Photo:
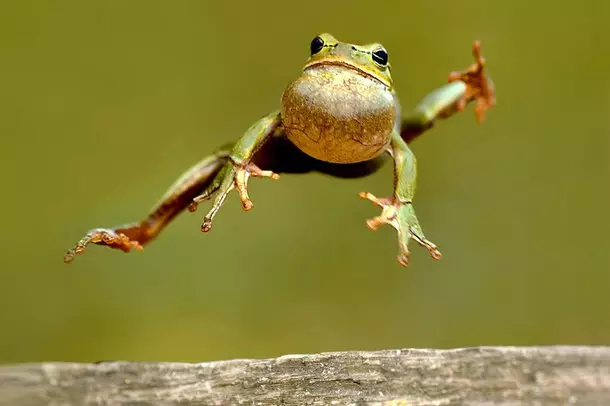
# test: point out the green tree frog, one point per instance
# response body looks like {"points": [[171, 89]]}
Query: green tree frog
{"points": [[341, 117]]}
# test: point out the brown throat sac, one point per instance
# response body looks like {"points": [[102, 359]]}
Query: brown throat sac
{"points": [[336, 114]]}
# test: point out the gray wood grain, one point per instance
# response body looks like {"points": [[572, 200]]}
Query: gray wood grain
{"points": [[468, 376]]}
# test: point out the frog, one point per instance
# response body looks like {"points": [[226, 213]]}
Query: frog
{"points": [[340, 117]]}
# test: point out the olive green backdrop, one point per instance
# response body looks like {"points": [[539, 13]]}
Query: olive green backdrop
{"points": [[104, 103]]}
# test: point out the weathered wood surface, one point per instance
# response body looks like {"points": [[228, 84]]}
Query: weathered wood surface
{"points": [[469, 376]]}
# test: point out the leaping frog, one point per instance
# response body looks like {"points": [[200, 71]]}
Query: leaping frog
{"points": [[341, 117]]}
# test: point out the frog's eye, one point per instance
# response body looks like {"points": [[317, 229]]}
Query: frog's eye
{"points": [[316, 45], [380, 56]]}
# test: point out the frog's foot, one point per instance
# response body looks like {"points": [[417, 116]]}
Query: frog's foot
{"points": [[401, 216], [479, 86], [103, 236], [233, 176]]}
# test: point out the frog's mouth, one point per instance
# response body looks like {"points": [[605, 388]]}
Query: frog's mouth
{"points": [[347, 65]]}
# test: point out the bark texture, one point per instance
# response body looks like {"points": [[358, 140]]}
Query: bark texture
{"points": [[467, 376]]}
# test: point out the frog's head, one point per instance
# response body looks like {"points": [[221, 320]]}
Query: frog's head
{"points": [[370, 60]]}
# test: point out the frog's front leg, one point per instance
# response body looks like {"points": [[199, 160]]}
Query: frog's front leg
{"points": [[398, 210], [471, 85], [239, 167]]}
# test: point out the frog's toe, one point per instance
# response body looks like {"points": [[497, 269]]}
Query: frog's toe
{"points": [[403, 258], [206, 225], [235, 176], [381, 202], [103, 236], [403, 255], [241, 181], [479, 86], [388, 215], [427, 244]]}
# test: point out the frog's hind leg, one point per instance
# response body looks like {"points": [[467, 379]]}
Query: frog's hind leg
{"points": [[179, 196], [204, 180]]}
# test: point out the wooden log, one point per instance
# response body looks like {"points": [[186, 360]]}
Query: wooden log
{"points": [[559, 375]]}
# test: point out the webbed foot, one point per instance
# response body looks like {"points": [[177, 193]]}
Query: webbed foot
{"points": [[232, 176], [479, 86], [103, 236], [401, 216]]}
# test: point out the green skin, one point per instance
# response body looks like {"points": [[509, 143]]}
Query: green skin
{"points": [[341, 116]]}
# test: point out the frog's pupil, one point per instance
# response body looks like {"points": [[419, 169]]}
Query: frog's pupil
{"points": [[381, 57], [316, 45]]}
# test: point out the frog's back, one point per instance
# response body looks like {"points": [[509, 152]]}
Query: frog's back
{"points": [[338, 115]]}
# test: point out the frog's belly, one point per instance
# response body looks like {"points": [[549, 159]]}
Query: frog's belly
{"points": [[339, 118]]}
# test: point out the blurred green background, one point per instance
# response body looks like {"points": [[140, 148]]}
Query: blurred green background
{"points": [[105, 103]]}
